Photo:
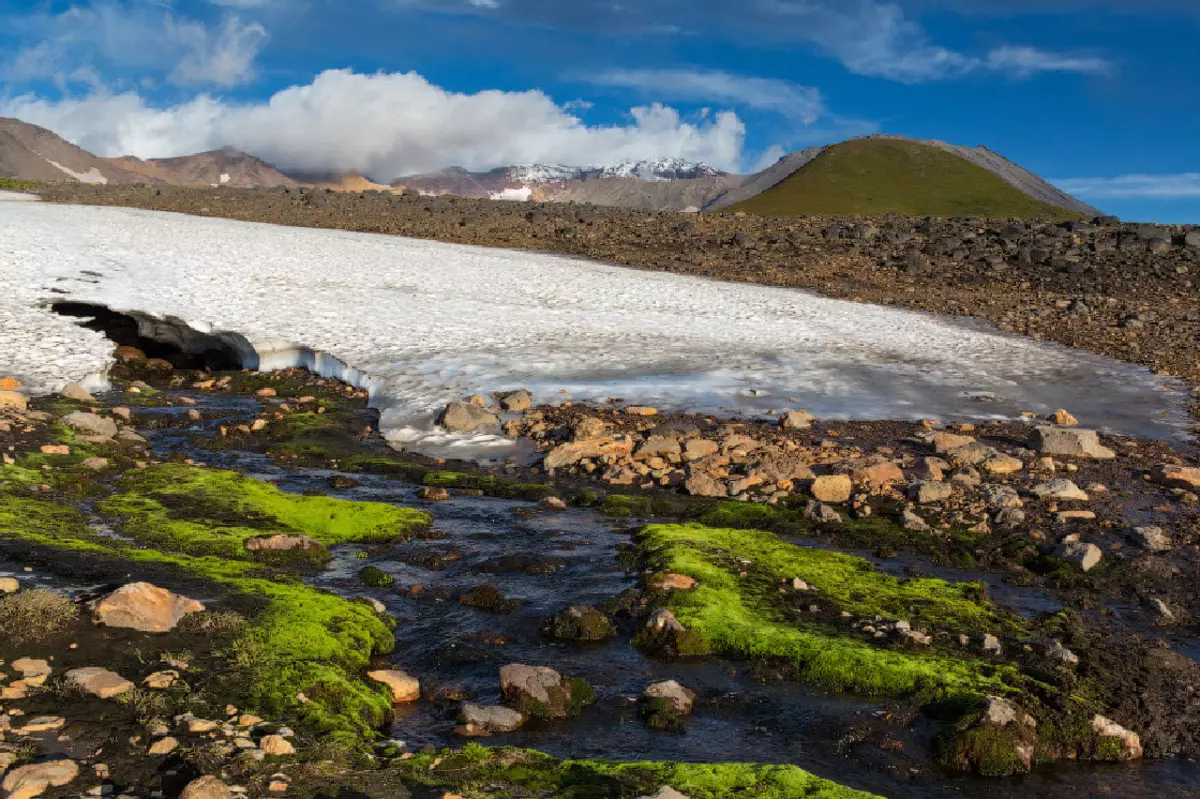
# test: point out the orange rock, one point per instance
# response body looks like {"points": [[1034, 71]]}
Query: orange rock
{"points": [[675, 582], [9, 384]]}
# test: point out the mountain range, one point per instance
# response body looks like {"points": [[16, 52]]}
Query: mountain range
{"points": [[864, 176]]}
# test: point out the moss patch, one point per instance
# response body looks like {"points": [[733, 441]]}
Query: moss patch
{"points": [[504, 773], [737, 609]]}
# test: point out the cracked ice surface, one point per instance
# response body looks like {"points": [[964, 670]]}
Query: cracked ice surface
{"points": [[423, 322]]}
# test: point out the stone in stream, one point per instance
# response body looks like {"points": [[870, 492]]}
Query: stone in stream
{"points": [[91, 424], [579, 623], [542, 692], [479, 720], [144, 607], [405, 688], [1130, 742], [665, 636], [1060, 490], [666, 705], [516, 401], [9, 585], [1171, 476], [99, 682], [281, 542], [1069, 441], [1085, 556], [1000, 743], [35, 779], [796, 420], [74, 391], [467, 417]]}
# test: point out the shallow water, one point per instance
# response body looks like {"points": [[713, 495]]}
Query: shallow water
{"points": [[420, 323], [738, 717]]}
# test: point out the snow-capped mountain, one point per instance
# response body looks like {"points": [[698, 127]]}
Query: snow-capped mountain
{"points": [[657, 169]]}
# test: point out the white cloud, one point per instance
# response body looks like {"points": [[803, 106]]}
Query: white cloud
{"points": [[1184, 185], [1026, 61], [384, 125], [789, 99], [224, 57]]}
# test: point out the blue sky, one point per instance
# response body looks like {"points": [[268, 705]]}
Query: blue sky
{"points": [[1101, 96]]}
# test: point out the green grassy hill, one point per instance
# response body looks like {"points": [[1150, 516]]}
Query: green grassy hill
{"points": [[872, 177]]}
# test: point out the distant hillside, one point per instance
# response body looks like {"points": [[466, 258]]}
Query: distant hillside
{"points": [[224, 167], [28, 152], [881, 175]]}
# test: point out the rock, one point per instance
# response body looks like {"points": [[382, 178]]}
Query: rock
{"points": [[1072, 442], [776, 466], [434, 494], [999, 497], [99, 682], [31, 668], [1054, 650], [674, 582], [1131, 742], [95, 464], [1085, 556], [833, 488], [1010, 518], [1073, 515], [1060, 490], [163, 746], [516, 401], [542, 692], [144, 607], [553, 503], [1002, 712], [276, 746], [665, 636], [90, 423], [878, 475], [991, 644], [55, 449], [405, 688], [570, 454], [481, 720], [206, 787], [1153, 539], [1186, 477], [587, 428], [580, 623], [161, 680], [796, 420], [281, 543], [972, 454], [703, 485], [467, 417], [74, 391], [927, 493], [1064, 418], [9, 383], [943, 442], [697, 448], [820, 512], [999, 463], [665, 792], [14, 399], [911, 521], [658, 446], [666, 705], [9, 585], [129, 354], [33, 780]]}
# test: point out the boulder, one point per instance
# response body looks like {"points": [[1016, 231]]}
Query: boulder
{"points": [[1060, 490], [1153, 539], [1064, 418], [144, 607], [281, 543], [1131, 742], [74, 391], [99, 682], [91, 424], [483, 720], [574, 452], [704, 485], [1085, 556], [580, 623], [657, 447], [666, 705], [9, 585], [516, 401], [999, 463], [833, 488], [1185, 477], [542, 692], [697, 448], [878, 475], [674, 582], [928, 493], [796, 420], [665, 792], [665, 636], [206, 787], [943, 442], [405, 688], [14, 399], [820, 512], [35, 779], [467, 417], [276, 746], [1073, 442]]}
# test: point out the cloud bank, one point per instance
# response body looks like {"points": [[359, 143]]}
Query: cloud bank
{"points": [[383, 125], [1147, 187]]}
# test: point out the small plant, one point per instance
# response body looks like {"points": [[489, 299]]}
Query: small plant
{"points": [[35, 614], [214, 622]]}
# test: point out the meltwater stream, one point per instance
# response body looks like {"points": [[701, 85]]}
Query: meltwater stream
{"points": [[551, 560], [419, 323]]}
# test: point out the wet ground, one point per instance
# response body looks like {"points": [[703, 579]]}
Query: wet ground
{"points": [[548, 560]]}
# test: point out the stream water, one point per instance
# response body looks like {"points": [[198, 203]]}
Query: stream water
{"points": [[551, 560]]}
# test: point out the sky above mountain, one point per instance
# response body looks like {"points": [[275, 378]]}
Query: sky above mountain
{"points": [[1100, 96]]}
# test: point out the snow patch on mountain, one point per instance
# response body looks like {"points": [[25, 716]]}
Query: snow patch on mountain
{"points": [[652, 170]]}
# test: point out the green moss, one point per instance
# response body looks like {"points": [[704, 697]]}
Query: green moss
{"points": [[375, 577], [580, 624], [209, 512], [747, 617], [518, 772], [873, 177], [13, 184], [299, 641]]}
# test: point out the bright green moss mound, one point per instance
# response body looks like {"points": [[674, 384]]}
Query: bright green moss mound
{"points": [[747, 617], [298, 639], [520, 772], [873, 177], [208, 512]]}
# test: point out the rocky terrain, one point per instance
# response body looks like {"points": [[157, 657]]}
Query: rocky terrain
{"points": [[224, 167], [1123, 290]]}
